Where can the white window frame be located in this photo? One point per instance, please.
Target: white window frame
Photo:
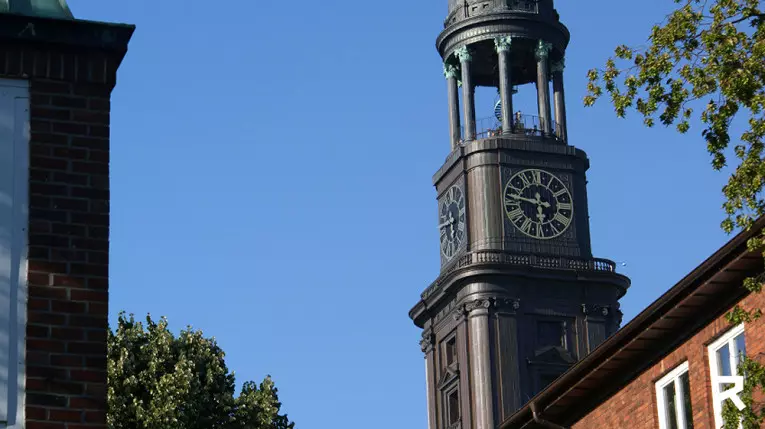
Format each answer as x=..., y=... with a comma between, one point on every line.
x=14, y=158
x=726, y=339
x=672, y=377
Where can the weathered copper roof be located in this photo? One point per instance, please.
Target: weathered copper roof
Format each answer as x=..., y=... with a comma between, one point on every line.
x=42, y=8
x=700, y=297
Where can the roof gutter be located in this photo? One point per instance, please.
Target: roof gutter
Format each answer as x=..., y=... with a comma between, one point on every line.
x=539, y=420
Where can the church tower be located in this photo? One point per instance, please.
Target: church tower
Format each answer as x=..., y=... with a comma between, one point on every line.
x=519, y=297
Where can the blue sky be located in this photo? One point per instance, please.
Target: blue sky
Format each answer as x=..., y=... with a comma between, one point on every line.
x=271, y=185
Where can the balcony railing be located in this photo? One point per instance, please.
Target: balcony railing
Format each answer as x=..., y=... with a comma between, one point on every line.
x=527, y=125
x=501, y=257
x=490, y=6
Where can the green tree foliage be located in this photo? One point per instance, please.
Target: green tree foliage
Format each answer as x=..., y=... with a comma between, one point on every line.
x=705, y=64
x=160, y=381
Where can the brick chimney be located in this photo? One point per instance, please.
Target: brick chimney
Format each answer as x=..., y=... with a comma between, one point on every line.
x=56, y=78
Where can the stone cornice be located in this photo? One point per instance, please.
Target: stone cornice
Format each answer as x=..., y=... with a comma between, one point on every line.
x=69, y=50
x=497, y=262
x=76, y=33
x=488, y=27
x=506, y=144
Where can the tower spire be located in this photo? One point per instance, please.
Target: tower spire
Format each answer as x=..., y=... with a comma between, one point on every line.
x=519, y=297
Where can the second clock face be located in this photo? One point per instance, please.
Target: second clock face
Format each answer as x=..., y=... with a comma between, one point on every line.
x=452, y=222
x=538, y=204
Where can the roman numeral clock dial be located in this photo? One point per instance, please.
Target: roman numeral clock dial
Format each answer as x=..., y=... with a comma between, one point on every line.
x=538, y=204
x=451, y=218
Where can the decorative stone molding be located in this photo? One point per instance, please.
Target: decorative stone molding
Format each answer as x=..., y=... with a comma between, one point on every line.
x=503, y=43
x=459, y=313
x=478, y=304
x=463, y=54
x=596, y=310
x=542, y=50
x=427, y=341
x=507, y=303
x=558, y=66
x=451, y=71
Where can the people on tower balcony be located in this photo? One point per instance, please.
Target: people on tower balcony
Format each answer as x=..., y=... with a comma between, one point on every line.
x=518, y=123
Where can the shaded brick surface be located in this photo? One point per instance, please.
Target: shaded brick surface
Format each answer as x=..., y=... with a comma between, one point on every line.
x=635, y=406
x=68, y=235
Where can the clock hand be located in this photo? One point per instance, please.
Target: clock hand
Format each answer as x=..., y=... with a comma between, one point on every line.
x=541, y=216
x=529, y=200
x=539, y=200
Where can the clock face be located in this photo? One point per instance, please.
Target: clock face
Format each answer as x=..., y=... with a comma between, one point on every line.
x=451, y=219
x=538, y=204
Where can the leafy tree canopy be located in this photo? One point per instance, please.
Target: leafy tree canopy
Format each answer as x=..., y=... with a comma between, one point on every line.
x=705, y=63
x=160, y=381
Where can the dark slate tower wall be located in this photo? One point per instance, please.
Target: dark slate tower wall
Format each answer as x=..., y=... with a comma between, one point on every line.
x=520, y=296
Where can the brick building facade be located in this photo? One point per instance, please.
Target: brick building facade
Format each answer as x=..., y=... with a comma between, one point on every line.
x=661, y=370
x=56, y=78
x=637, y=404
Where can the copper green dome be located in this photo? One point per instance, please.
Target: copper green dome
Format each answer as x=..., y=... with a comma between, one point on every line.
x=43, y=8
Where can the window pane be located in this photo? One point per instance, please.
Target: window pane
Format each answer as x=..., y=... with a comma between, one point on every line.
x=454, y=407
x=669, y=406
x=550, y=334
x=451, y=351
x=740, y=348
x=685, y=384
x=723, y=361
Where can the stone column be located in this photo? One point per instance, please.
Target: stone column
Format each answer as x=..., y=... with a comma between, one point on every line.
x=427, y=347
x=451, y=74
x=468, y=94
x=543, y=85
x=502, y=44
x=480, y=362
x=560, y=100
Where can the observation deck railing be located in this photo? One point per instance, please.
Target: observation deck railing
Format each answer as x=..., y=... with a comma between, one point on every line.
x=465, y=11
x=500, y=257
x=523, y=125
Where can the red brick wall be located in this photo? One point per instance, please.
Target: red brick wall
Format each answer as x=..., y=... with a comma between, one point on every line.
x=635, y=406
x=68, y=233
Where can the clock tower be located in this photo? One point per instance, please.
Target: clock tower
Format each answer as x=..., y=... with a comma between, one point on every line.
x=520, y=296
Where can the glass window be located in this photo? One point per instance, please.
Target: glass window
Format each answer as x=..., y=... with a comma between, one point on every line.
x=724, y=358
x=673, y=394
x=451, y=350
x=453, y=405
x=551, y=333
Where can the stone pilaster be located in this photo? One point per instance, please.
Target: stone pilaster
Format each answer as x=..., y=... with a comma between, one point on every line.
x=480, y=362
